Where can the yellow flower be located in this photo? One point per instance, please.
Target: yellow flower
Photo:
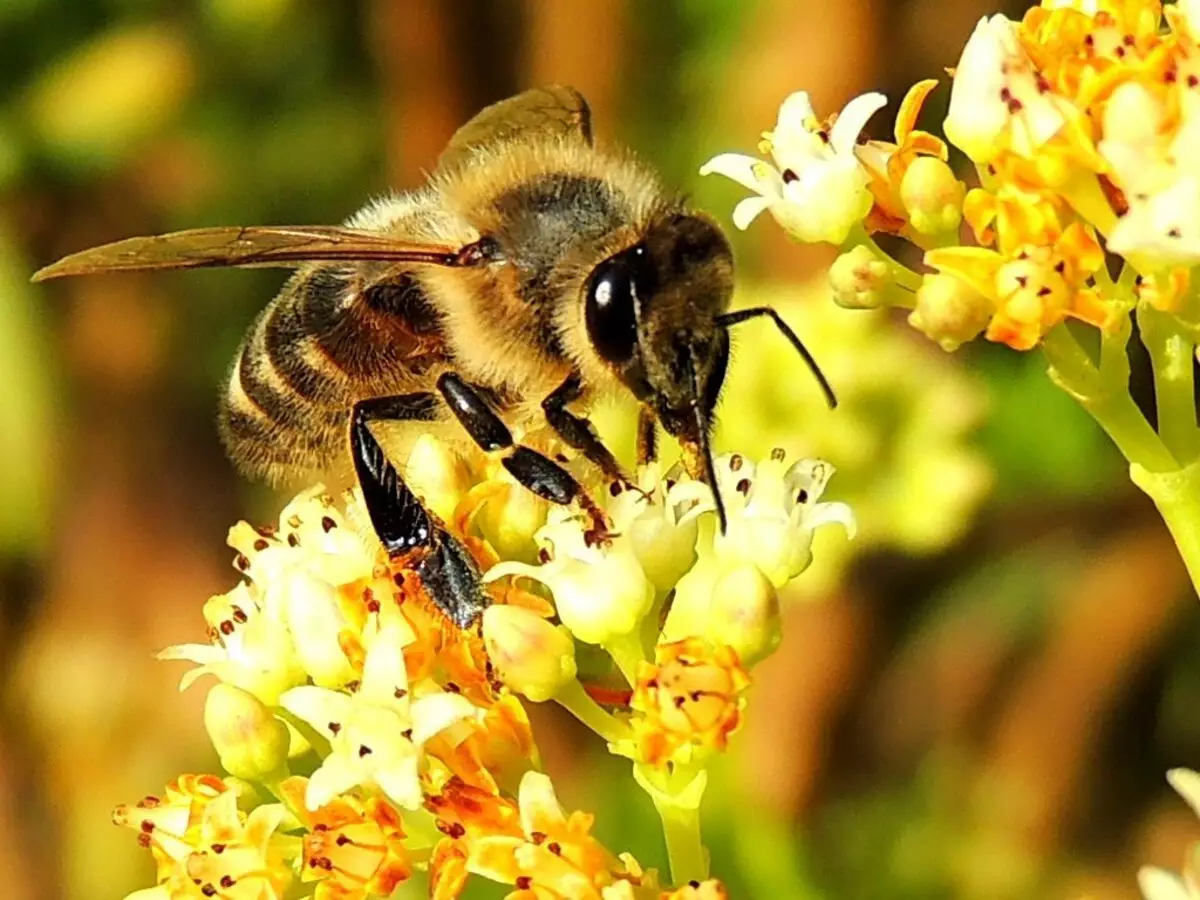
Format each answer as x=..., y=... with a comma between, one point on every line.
x=529, y=654
x=888, y=165
x=601, y=591
x=205, y=846
x=354, y=848
x=554, y=856
x=377, y=732
x=817, y=190
x=250, y=741
x=1035, y=287
x=167, y=825
x=690, y=697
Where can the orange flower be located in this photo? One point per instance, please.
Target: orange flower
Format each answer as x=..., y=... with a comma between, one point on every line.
x=167, y=825
x=554, y=855
x=464, y=813
x=353, y=848
x=492, y=752
x=206, y=847
x=886, y=163
x=690, y=696
x=1035, y=285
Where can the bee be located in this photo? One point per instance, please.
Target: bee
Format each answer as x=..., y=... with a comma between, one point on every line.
x=533, y=273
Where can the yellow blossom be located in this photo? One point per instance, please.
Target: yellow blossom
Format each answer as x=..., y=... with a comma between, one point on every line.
x=554, y=856
x=691, y=696
x=530, y=655
x=1035, y=288
x=354, y=848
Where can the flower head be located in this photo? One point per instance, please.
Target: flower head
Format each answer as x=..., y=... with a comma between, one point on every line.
x=353, y=848
x=554, y=856
x=376, y=733
x=690, y=697
x=817, y=189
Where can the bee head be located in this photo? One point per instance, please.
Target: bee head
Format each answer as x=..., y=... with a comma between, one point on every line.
x=653, y=315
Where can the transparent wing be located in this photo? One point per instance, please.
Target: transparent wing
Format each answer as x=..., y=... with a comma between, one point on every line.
x=201, y=248
x=554, y=110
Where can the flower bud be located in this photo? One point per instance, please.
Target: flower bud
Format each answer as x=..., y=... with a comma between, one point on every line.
x=744, y=613
x=932, y=196
x=949, y=311
x=530, y=655
x=599, y=602
x=317, y=623
x=665, y=550
x=510, y=518
x=251, y=742
x=858, y=278
x=438, y=475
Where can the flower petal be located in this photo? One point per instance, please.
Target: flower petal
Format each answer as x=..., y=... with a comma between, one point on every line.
x=1159, y=884
x=336, y=775
x=853, y=120
x=540, y=809
x=318, y=707
x=400, y=781
x=745, y=170
x=385, y=678
x=747, y=211
x=434, y=712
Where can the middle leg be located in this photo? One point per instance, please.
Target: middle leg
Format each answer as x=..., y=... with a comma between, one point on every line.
x=533, y=470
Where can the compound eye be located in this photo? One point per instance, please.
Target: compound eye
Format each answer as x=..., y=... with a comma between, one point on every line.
x=614, y=291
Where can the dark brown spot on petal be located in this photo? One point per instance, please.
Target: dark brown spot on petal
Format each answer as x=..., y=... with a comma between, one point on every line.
x=261, y=544
x=789, y=176
x=743, y=486
x=334, y=727
x=364, y=750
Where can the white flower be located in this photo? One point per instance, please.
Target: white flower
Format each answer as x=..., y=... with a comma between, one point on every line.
x=600, y=590
x=997, y=86
x=772, y=510
x=817, y=190
x=376, y=733
x=252, y=648
x=1159, y=173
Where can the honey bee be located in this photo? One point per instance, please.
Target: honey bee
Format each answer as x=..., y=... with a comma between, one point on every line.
x=532, y=274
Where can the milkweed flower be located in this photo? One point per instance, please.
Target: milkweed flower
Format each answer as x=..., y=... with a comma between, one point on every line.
x=1159, y=884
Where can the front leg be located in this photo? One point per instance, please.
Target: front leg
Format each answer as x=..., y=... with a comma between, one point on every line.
x=533, y=470
x=577, y=432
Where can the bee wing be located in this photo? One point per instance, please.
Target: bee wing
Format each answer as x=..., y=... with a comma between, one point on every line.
x=201, y=248
x=554, y=110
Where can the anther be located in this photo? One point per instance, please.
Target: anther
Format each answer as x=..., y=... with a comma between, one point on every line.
x=523, y=883
x=743, y=486
x=789, y=176
x=293, y=541
x=260, y=545
x=328, y=524
x=334, y=728
x=778, y=454
x=364, y=750
x=735, y=463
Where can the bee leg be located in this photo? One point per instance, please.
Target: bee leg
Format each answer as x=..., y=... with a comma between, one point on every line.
x=446, y=569
x=533, y=470
x=578, y=432
x=647, y=436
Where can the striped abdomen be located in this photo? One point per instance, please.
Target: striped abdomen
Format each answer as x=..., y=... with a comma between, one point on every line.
x=321, y=345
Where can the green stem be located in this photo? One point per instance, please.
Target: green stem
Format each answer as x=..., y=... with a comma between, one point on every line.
x=1172, y=356
x=685, y=851
x=1104, y=393
x=1177, y=496
x=1086, y=197
x=626, y=651
x=575, y=700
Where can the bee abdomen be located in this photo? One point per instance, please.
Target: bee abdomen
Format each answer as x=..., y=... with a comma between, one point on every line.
x=318, y=348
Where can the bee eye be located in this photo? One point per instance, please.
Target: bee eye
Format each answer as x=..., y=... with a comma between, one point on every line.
x=614, y=291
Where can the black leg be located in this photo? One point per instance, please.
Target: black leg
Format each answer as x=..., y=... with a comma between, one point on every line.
x=728, y=320
x=446, y=569
x=533, y=470
x=577, y=431
x=647, y=436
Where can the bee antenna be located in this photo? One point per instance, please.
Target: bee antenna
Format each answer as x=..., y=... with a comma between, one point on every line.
x=728, y=320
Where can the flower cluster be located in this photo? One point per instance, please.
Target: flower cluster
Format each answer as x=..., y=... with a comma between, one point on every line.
x=365, y=739
x=1081, y=122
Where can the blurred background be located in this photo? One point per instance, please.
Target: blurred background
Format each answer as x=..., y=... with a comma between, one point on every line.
x=977, y=699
